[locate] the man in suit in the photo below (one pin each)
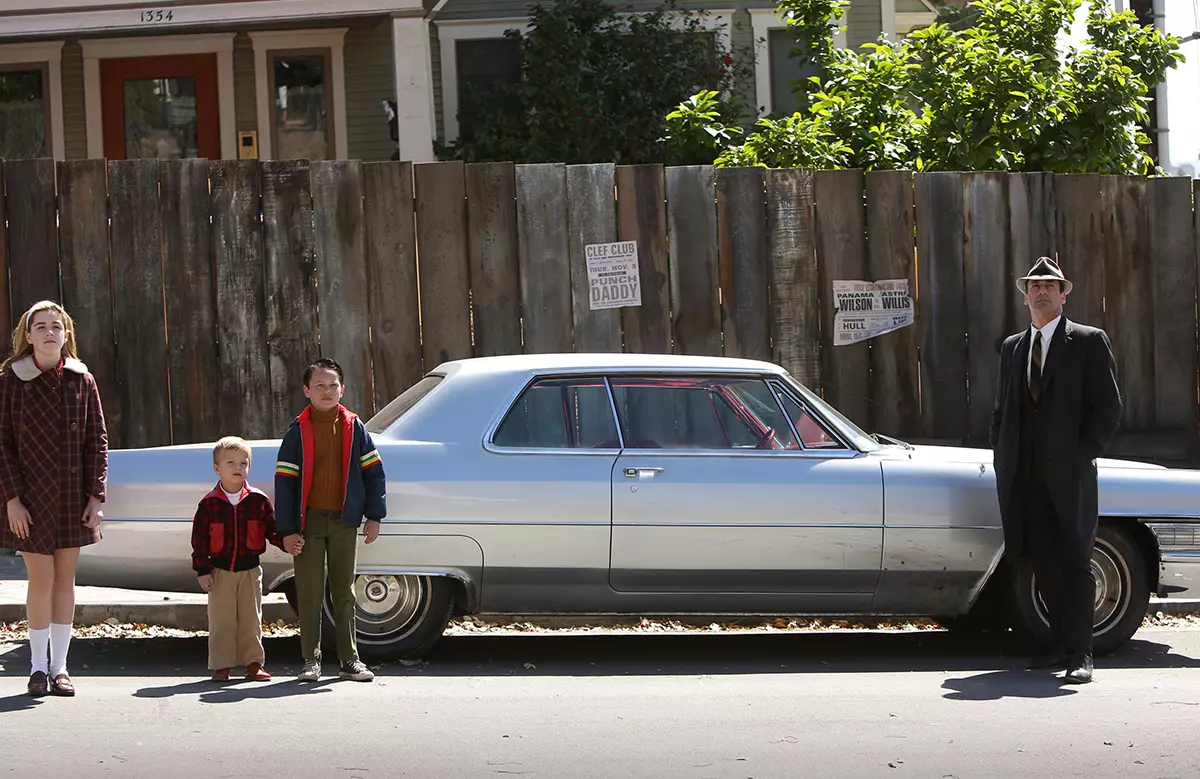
(1057, 408)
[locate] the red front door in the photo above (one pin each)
(160, 107)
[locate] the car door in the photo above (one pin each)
(716, 492)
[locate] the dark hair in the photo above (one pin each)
(327, 364)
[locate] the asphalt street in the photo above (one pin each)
(828, 705)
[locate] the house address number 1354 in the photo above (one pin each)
(157, 16)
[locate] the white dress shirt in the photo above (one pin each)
(1047, 334)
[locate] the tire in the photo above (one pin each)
(396, 617)
(1122, 593)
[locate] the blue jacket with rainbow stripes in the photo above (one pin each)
(364, 484)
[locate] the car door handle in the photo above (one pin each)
(633, 473)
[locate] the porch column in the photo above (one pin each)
(414, 88)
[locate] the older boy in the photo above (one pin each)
(328, 478)
(229, 533)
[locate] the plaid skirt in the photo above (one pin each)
(47, 536)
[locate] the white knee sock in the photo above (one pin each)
(38, 641)
(60, 640)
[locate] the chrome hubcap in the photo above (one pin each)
(387, 607)
(1111, 575)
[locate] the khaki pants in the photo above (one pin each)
(235, 618)
(327, 540)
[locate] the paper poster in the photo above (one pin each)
(613, 278)
(867, 309)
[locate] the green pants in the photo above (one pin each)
(327, 538)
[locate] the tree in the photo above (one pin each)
(998, 95)
(595, 84)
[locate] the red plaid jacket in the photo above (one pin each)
(232, 537)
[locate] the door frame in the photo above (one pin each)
(94, 51)
(203, 67)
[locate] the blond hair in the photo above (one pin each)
(21, 348)
(231, 442)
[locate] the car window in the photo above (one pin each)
(813, 435)
(713, 413)
(402, 404)
(560, 414)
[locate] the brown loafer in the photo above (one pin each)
(62, 686)
(39, 684)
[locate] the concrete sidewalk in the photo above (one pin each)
(189, 611)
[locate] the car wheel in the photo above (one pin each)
(1122, 593)
(396, 617)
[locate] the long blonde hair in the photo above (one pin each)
(21, 347)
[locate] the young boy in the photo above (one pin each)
(230, 531)
(328, 478)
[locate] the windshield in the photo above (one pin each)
(847, 428)
(388, 415)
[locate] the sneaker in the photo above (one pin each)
(221, 675)
(356, 671)
(311, 671)
(256, 673)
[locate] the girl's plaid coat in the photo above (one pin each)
(53, 453)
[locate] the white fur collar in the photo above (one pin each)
(27, 370)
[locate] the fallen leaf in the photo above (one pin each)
(530, 666)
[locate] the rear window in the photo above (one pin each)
(402, 404)
(560, 414)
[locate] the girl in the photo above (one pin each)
(53, 469)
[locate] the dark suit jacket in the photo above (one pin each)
(1074, 422)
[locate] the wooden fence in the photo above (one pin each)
(202, 289)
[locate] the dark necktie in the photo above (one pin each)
(1035, 368)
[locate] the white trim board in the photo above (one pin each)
(332, 38)
(454, 30)
(220, 44)
(48, 53)
(762, 21)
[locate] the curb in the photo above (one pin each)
(194, 616)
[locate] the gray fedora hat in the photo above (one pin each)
(1045, 269)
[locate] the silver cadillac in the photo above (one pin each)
(628, 484)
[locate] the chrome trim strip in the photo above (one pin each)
(944, 527)
(612, 404)
(741, 526)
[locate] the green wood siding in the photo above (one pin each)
(74, 114)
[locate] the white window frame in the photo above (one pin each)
(332, 38)
(220, 44)
(49, 55)
(450, 32)
(762, 21)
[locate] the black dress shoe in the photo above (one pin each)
(1055, 660)
(1080, 671)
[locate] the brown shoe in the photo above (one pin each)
(62, 686)
(39, 684)
(256, 673)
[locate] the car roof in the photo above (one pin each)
(601, 362)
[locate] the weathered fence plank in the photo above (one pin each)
(642, 217)
(1128, 296)
(138, 319)
(342, 276)
(591, 219)
(542, 255)
(1081, 246)
(290, 295)
(989, 290)
(1032, 234)
(87, 278)
(6, 321)
(794, 276)
(842, 256)
(692, 241)
(742, 259)
(444, 271)
(188, 291)
(942, 321)
(238, 274)
(32, 233)
(492, 248)
(392, 276)
(895, 394)
(1172, 245)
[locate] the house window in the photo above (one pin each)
(786, 71)
(160, 118)
(485, 67)
(300, 130)
(24, 113)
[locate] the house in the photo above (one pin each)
(275, 79)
